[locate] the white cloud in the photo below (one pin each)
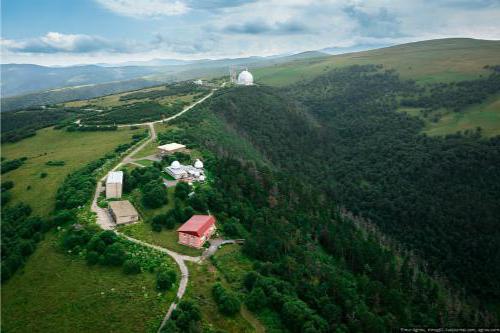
(55, 42)
(145, 8)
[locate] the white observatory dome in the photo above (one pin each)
(175, 165)
(245, 78)
(198, 164)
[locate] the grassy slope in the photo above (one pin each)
(201, 279)
(486, 115)
(66, 295)
(75, 148)
(441, 60)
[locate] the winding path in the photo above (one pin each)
(105, 221)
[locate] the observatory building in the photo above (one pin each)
(245, 78)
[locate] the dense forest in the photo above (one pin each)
(17, 125)
(340, 133)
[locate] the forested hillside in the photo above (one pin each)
(341, 134)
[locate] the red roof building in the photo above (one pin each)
(197, 230)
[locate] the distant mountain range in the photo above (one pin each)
(20, 79)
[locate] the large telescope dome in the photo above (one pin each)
(245, 78)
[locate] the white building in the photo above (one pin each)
(186, 172)
(198, 82)
(170, 148)
(114, 184)
(245, 78)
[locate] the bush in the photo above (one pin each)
(182, 190)
(43, 175)
(131, 267)
(96, 244)
(92, 258)
(227, 302)
(256, 300)
(165, 279)
(114, 255)
(7, 185)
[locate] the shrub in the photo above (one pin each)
(165, 279)
(7, 185)
(256, 300)
(43, 175)
(182, 190)
(131, 267)
(92, 258)
(96, 244)
(114, 255)
(227, 302)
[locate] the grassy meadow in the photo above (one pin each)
(66, 295)
(442, 60)
(485, 115)
(74, 148)
(164, 238)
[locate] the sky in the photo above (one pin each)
(68, 32)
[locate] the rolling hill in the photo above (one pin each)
(440, 60)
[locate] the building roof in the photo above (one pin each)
(115, 177)
(122, 208)
(197, 225)
(171, 146)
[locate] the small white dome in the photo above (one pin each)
(245, 78)
(175, 165)
(198, 164)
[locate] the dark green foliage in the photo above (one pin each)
(20, 234)
(9, 165)
(154, 194)
(114, 255)
(227, 302)
(43, 175)
(5, 198)
(78, 187)
(92, 258)
(437, 195)
(7, 185)
(294, 225)
(131, 267)
(186, 318)
(165, 278)
(256, 300)
(182, 189)
(87, 128)
(55, 163)
(17, 125)
(181, 88)
(233, 228)
(455, 95)
(133, 113)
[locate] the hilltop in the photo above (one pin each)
(439, 60)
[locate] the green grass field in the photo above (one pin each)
(74, 148)
(442, 60)
(56, 292)
(485, 115)
(164, 238)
